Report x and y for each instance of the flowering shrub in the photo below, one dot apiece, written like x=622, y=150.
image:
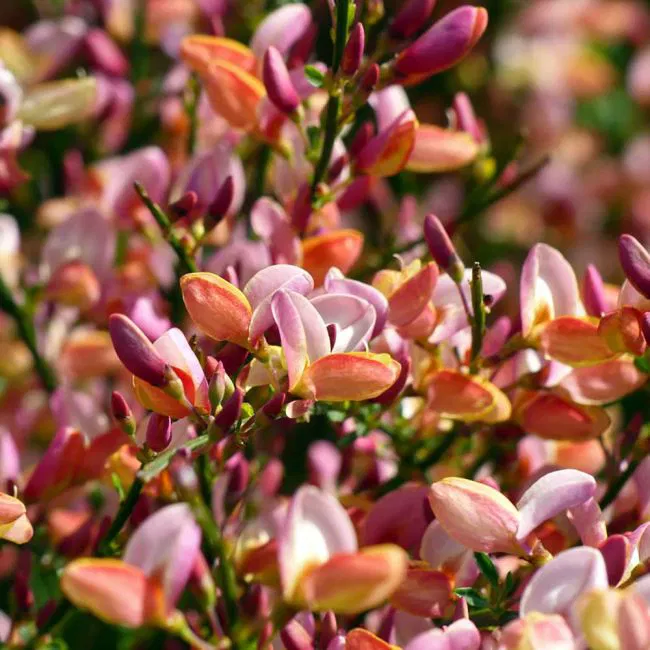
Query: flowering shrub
x=285, y=362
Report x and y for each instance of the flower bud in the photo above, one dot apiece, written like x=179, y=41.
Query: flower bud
x=278, y=84
x=220, y=387
x=221, y=204
x=301, y=50
x=230, y=412
x=635, y=261
x=136, y=351
x=361, y=138
x=442, y=248
x=184, y=206
x=295, y=637
x=442, y=46
x=239, y=472
x=370, y=78
x=159, y=432
x=411, y=17
x=122, y=414
x=104, y=54
x=353, y=52
x=328, y=629
x=273, y=407
x=466, y=118
x=593, y=292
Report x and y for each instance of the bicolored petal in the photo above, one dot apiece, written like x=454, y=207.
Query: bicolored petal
x=408, y=301
x=551, y=416
x=554, y=493
x=425, y=592
x=233, y=93
x=575, y=342
x=339, y=248
x=101, y=586
x=281, y=28
x=468, y=398
x=538, y=631
x=316, y=528
x=361, y=639
x=199, y=50
x=387, y=153
x=218, y=308
x=14, y=525
x=635, y=261
x=348, y=376
x=622, y=331
x=350, y=583
x=548, y=288
x=437, y=150
x=476, y=515
x=442, y=552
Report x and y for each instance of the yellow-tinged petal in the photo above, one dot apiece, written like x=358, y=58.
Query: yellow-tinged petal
x=575, y=341
x=114, y=591
x=468, y=398
x=439, y=150
x=475, y=515
x=360, y=639
x=348, y=376
x=218, y=308
x=55, y=104
x=350, y=583
x=598, y=614
x=233, y=93
x=199, y=50
x=339, y=248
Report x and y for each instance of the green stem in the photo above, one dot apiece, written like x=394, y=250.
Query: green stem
x=617, y=484
x=334, y=103
x=478, y=319
x=191, y=106
x=124, y=512
x=27, y=333
x=165, y=225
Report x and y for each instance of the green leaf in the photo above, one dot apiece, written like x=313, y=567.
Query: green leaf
x=160, y=462
x=117, y=484
x=511, y=584
x=642, y=364
x=487, y=568
x=473, y=598
x=314, y=76
x=352, y=12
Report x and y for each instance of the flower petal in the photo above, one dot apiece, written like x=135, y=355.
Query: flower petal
x=437, y=150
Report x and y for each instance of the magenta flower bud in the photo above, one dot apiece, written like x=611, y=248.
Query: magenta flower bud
x=301, y=50
x=277, y=82
x=77, y=542
x=136, y=351
x=301, y=208
x=361, y=138
x=370, y=78
x=411, y=18
x=122, y=413
x=239, y=472
x=442, y=248
x=443, y=45
x=184, y=206
x=270, y=479
x=22, y=590
x=635, y=261
x=159, y=432
x=230, y=411
x=210, y=366
x=274, y=406
x=104, y=54
x=256, y=603
x=324, y=462
x=593, y=292
x=328, y=629
x=353, y=52
x=222, y=201
x=295, y=637
x=336, y=168
x=466, y=118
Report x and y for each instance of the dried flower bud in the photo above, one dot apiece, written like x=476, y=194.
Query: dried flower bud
x=442, y=248
x=353, y=52
x=122, y=413
x=277, y=82
x=593, y=292
x=136, y=351
x=159, y=432
x=411, y=17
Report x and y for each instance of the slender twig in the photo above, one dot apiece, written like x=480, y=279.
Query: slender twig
x=618, y=483
x=124, y=512
x=191, y=108
x=478, y=318
x=27, y=333
x=334, y=103
x=165, y=225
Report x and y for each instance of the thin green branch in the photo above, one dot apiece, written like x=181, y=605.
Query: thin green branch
x=166, y=226
x=478, y=316
x=27, y=333
x=618, y=483
x=122, y=516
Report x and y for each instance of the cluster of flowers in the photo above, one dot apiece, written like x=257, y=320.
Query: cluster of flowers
x=225, y=422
